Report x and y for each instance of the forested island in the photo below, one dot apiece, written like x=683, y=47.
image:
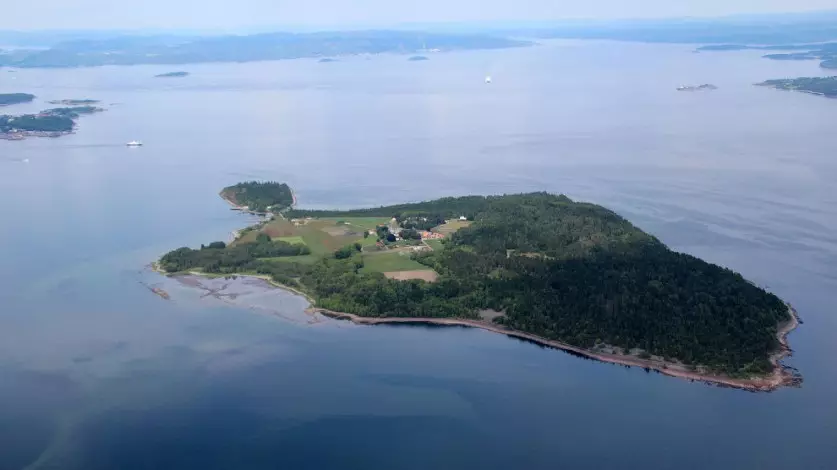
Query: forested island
x=48, y=123
x=566, y=274
x=81, y=102
x=172, y=75
x=7, y=99
x=255, y=196
x=823, y=86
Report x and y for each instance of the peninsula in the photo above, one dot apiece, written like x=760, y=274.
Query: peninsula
x=540, y=267
x=259, y=197
x=53, y=122
x=826, y=53
x=7, y=99
x=822, y=86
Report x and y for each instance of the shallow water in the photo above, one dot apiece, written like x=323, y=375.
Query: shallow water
x=96, y=371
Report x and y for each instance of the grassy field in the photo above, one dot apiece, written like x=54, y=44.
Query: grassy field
x=361, y=223
x=322, y=236
x=388, y=262
x=452, y=226
x=296, y=240
x=435, y=244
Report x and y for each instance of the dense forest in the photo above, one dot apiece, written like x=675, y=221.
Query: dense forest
x=563, y=270
x=826, y=86
x=36, y=123
x=15, y=98
x=260, y=196
x=50, y=120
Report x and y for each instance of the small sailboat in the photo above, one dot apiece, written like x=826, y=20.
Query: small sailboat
x=488, y=79
x=134, y=143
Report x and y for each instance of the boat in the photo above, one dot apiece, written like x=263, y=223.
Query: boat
x=488, y=79
x=134, y=143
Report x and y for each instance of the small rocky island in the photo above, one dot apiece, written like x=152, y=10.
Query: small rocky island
x=7, y=99
x=704, y=87
x=820, y=86
x=53, y=122
x=81, y=102
x=172, y=75
x=564, y=274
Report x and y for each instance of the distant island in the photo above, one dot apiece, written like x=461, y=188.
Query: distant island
x=704, y=87
x=326, y=60
x=826, y=53
x=172, y=75
x=540, y=267
x=170, y=50
x=7, y=99
x=48, y=123
x=822, y=86
x=417, y=58
x=82, y=102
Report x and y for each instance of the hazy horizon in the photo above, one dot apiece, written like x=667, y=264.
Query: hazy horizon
x=260, y=15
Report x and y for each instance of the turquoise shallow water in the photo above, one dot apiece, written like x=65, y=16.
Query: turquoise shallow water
x=98, y=372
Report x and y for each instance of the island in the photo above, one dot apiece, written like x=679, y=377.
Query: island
x=81, y=102
x=704, y=87
x=172, y=75
x=326, y=60
x=417, y=58
x=822, y=86
x=53, y=122
x=540, y=267
x=7, y=99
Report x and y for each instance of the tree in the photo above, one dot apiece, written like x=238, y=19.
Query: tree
x=345, y=252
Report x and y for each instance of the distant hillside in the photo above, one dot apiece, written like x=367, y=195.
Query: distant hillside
x=785, y=28
x=132, y=50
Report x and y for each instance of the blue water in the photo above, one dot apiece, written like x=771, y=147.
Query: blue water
x=97, y=372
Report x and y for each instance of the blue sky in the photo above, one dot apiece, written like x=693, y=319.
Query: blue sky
x=230, y=15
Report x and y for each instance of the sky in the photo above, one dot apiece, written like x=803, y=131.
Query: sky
x=238, y=14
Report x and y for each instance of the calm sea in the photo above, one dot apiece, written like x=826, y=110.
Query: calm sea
x=97, y=372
